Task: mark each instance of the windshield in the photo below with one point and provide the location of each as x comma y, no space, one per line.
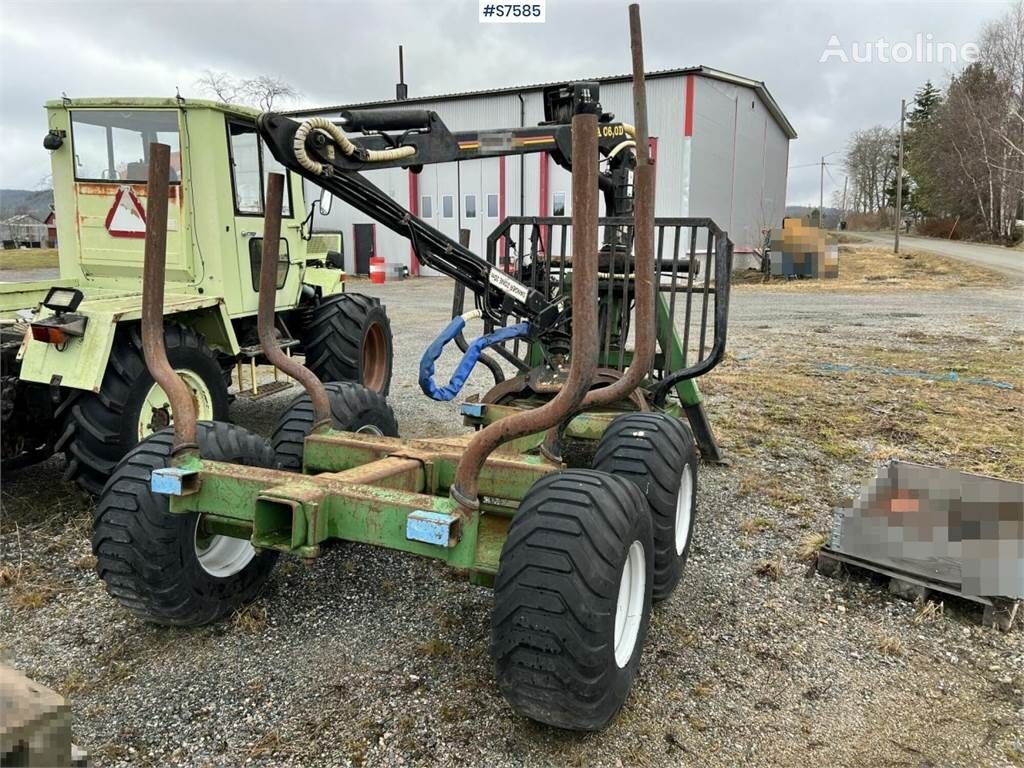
113,145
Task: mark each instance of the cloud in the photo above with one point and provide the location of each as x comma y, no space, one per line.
336,52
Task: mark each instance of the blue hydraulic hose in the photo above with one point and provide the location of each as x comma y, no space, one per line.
469,360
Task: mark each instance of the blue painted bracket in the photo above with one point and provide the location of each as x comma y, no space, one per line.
174,481
437,528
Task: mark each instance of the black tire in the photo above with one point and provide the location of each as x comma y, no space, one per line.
553,626
100,428
354,408
348,338
655,451
147,557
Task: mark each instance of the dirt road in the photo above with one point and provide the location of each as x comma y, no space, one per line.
1009,261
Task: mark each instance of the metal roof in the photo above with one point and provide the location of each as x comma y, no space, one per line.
716,74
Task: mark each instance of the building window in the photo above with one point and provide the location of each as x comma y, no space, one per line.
426,207
492,206
114,145
558,204
447,206
470,206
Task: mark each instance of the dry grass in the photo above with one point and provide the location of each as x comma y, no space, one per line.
928,612
875,268
772,568
753,525
890,645
784,405
28,258
252,618
810,544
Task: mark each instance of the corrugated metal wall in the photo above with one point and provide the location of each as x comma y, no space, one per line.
739,161
737,169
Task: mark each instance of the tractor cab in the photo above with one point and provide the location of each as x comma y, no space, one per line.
219,166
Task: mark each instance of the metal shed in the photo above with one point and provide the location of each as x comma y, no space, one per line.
721,150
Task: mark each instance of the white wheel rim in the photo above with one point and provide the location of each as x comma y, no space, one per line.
629,608
222,556
370,429
684,510
156,414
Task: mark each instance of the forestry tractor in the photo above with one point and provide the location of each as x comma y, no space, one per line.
74,379
594,329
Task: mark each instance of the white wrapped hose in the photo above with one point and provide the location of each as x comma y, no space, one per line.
339,137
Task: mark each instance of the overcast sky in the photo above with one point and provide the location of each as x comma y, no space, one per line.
338,52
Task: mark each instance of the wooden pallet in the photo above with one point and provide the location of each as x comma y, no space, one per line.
998,612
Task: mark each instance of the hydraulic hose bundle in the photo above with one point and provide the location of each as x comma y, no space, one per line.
346,145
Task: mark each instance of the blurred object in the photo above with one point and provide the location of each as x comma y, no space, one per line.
798,251
935,529
35,724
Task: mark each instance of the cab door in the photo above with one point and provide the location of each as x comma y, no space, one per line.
250,166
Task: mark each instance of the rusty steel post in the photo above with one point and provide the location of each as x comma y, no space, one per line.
643,245
265,312
583,354
183,407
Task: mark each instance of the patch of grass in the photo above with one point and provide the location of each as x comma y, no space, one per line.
928,612
890,645
703,690
252,618
867,267
771,568
435,648
31,597
753,525
28,258
809,545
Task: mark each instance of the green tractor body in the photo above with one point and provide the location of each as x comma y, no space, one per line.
215,226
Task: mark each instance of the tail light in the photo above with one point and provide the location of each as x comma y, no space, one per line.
48,334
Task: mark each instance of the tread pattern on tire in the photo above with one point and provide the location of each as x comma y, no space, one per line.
352,406
651,449
138,542
94,437
333,337
555,596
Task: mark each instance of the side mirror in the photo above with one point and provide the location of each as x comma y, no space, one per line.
326,200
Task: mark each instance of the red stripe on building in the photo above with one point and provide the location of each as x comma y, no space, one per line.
543,208
414,209
688,120
501,209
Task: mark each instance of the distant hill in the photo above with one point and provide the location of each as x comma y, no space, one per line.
33,202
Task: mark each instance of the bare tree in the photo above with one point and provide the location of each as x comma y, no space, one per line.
871,167
220,85
262,91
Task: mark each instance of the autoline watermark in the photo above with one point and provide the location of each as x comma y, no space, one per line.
924,49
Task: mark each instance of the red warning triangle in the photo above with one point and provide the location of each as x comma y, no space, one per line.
126,217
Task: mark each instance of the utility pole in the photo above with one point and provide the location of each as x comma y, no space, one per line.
821,196
899,179
842,212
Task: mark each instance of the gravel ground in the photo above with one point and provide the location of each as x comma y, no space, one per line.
374,658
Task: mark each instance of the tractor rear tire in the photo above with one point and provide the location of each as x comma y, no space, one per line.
100,428
159,565
658,453
572,599
354,408
348,338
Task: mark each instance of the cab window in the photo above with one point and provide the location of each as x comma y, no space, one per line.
251,163
113,145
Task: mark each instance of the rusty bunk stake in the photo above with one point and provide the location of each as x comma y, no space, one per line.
183,407
265,312
583,355
625,387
